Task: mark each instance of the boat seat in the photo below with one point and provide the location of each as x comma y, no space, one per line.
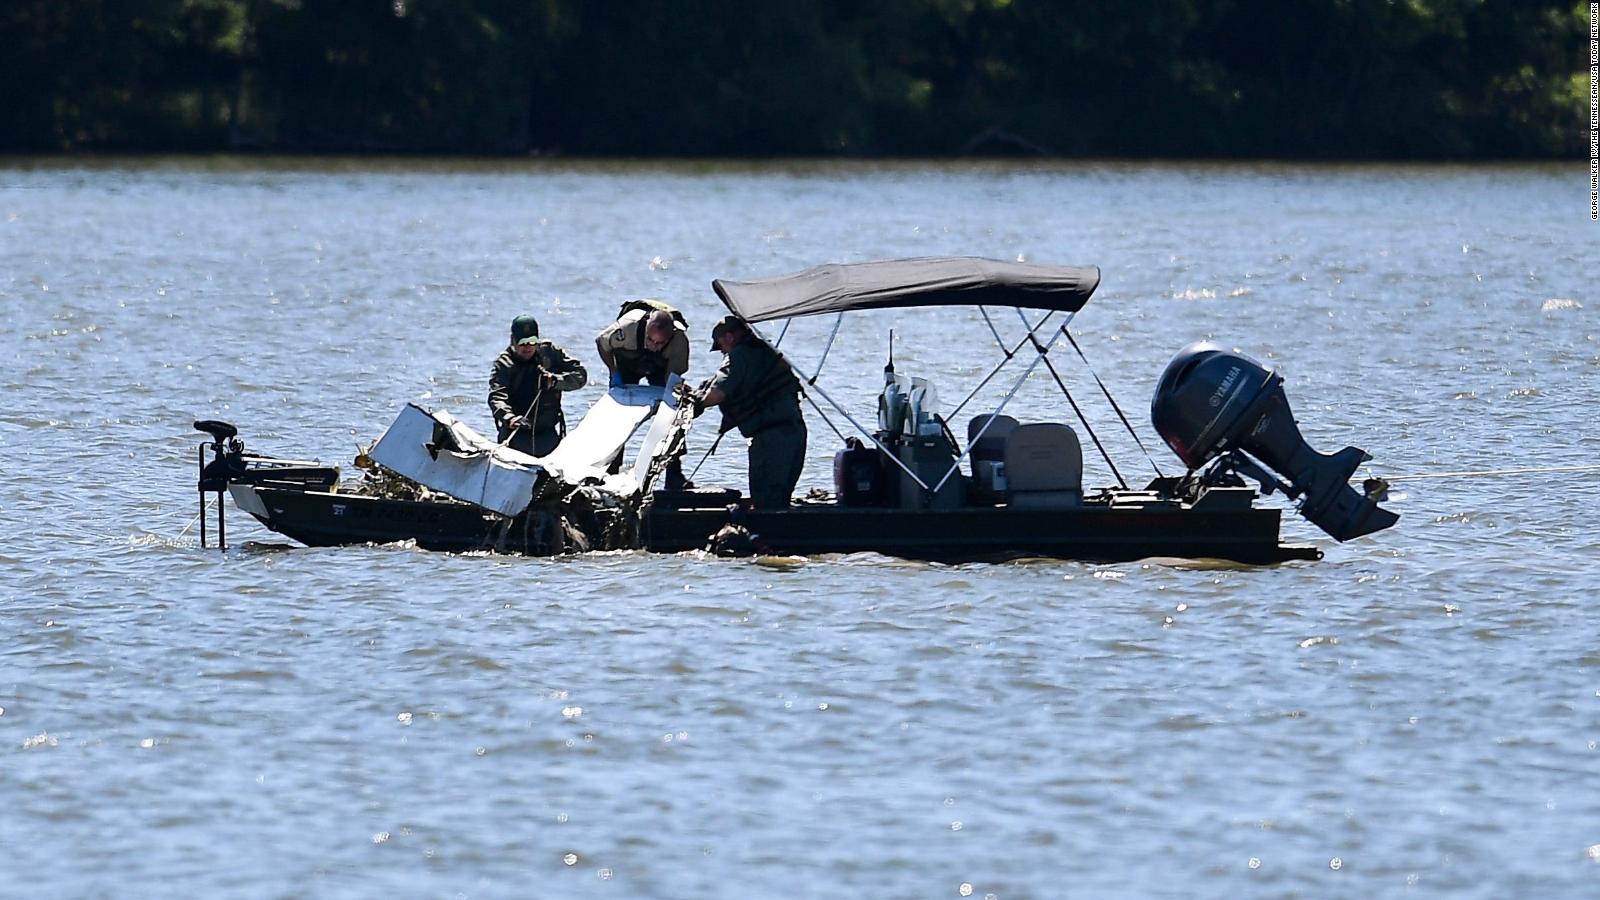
1044,466
988,455
996,435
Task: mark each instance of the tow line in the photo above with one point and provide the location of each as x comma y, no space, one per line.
1490,472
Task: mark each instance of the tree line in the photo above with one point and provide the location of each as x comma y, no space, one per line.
1319,79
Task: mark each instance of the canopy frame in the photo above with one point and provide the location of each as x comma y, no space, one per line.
954,281
899,283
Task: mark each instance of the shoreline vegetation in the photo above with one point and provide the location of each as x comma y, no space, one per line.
1337,80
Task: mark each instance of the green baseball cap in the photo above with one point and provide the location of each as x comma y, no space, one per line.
524,330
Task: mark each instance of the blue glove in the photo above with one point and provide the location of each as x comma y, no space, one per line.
616,379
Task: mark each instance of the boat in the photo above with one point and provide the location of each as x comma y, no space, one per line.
433,482
905,488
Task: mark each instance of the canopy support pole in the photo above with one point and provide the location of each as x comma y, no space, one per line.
1082,419
827,348
851,419
1041,355
1010,354
984,311
1114,406
956,466
824,417
870,436
1113,401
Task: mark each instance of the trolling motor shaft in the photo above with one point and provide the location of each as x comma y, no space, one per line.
224,444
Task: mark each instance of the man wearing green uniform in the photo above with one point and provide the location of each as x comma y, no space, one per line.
525,388
761,397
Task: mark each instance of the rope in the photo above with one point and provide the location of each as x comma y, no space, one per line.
531,407
707,455
1488,472
205,504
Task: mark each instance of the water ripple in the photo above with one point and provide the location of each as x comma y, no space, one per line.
634,725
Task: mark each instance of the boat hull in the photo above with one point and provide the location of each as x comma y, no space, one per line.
1109,532
991,533
324,519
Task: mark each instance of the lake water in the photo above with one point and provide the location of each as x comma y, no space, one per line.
1416,714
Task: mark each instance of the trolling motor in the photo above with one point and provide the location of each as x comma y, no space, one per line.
227,451
1213,404
229,464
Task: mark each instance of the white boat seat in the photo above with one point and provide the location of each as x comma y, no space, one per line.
987,454
1044,466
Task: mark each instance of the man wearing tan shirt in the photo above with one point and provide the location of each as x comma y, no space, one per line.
645,343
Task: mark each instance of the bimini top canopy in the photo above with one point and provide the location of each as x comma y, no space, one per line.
928,281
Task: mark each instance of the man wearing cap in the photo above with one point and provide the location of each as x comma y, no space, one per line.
648,340
525,388
760,396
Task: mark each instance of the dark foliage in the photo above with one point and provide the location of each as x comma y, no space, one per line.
1393,79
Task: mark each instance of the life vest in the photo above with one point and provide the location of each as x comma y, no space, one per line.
650,306
776,379
652,361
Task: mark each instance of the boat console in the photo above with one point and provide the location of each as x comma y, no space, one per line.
914,460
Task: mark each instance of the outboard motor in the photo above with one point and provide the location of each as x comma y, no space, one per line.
1214,403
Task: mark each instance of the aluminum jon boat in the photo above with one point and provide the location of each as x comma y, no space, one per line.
905,488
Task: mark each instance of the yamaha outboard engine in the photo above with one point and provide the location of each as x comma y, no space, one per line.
1214,403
